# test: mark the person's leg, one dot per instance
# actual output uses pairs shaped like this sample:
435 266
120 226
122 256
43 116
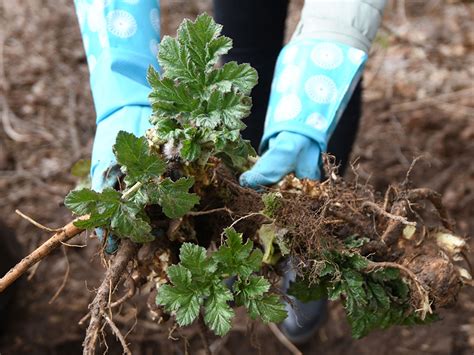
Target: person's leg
341 143
257 28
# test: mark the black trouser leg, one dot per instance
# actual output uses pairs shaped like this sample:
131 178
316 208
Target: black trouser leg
257 28
342 140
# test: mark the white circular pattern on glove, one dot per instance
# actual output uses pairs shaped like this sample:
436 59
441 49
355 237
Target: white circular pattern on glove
92 62
321 89
154 46
327 55
317 121
289 75
355 55
289 55
155 20
121 23
287 108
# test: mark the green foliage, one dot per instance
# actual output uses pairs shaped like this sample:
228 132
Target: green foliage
372 300
274 242
198 282
81 168
272 202
123 214
198 108
137 163
173 196
108 210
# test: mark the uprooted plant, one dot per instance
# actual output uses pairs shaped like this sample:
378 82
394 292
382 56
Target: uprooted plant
208 244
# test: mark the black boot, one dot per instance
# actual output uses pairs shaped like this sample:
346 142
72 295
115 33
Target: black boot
304 319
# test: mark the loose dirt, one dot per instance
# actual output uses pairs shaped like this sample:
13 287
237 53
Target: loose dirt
419 101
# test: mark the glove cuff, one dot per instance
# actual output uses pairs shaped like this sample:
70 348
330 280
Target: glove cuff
312 85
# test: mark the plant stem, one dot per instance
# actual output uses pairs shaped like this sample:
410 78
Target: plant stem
131 191
66 233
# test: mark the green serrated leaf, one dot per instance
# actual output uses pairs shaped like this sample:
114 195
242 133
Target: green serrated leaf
196 36
174 196
386 274
236 258
176 61
190 150
207 121
180 298
242 77
328 269
179 275
272 202
81 202
379 293
217 313
229 108
134 155
305 293
238 152
171 99
126 223
253 287
268 308
198 107
194 258
217 47
100 206
165 128
354 290
107 209
358 262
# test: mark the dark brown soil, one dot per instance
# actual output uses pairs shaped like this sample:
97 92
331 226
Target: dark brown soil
419 101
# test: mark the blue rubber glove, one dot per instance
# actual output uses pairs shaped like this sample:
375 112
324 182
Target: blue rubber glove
120 39
313 82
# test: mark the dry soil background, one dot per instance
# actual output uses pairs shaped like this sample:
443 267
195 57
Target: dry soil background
419 101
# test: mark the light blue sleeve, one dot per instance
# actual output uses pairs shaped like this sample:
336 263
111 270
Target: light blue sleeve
313 82
121 40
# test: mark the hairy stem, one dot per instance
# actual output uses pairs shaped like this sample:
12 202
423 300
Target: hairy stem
131 191
126 252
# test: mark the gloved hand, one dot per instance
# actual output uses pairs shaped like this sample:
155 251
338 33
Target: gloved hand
104 169
133 119
121 41
314 79
287 152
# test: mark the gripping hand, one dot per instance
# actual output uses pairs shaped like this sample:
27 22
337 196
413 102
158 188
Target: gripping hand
121 41
313 81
